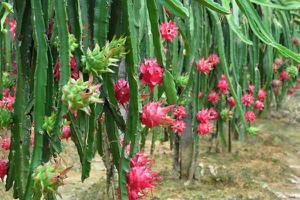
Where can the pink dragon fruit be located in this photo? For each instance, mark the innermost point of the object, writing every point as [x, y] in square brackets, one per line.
[261, 95]
[223, 85]
[203, 66]
[151, 73]
[168, 31]
[231, 101]
[250, 116]
[154, 115]
[178, 127]
[259, 105]
[213, 59]
[122, 91]
[141, 178]
[3, 168]
[213, 97]
[248, 99]
[213, 114]
[203, 116]
[5, 143]
[179, 112]
[204, 129]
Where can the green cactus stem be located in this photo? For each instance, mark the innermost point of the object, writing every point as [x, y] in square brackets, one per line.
[39, 89]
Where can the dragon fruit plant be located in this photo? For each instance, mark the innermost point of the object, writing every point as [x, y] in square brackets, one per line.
[181, 68]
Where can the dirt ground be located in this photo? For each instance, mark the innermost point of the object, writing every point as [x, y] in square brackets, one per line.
[265, 166]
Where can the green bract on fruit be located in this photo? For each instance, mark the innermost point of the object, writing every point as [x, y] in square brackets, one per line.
[49, 123]
[225, 114]
[292, 71]
[47, 178]
[99, 60]
[79, 94]
[252, 130]
[182, 81]
[72, 43]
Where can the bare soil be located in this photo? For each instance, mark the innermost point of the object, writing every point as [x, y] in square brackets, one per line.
[266, 166]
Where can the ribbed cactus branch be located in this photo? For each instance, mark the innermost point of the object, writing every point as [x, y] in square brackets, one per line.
[154, 21]
[64, 57]
[16, 157]
[39, 89]
[101, 21]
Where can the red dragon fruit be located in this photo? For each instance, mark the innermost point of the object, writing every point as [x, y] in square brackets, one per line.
[250, 116]
[261, 95]
[7, 101]
[122, 91]
[179, 112]
[13, 28]
[223, 85]
[295, 41]
[3, 168]
[231, 101]
[141, 179]
[178, 127]
[203, 66]
[154, 115]
[213, 59]
[259, 105]
[5, 143]
[284, 76]
[251, 89]
[74, 73]
[204, 129]
[248, 99]
[203, 116]
[200, 95]
[213, 114]
[213, 97]
[168, 31]
[66, 132]
[151, 73]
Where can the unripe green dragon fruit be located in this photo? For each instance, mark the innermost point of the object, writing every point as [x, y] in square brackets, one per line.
[292, 71]
[5, 118]
[99, 60]
[226, 114]
[72, 43]
[252, 130]
[7, 83]
[182, 81]
[78, 95]
[115, 48]
[49, 123]
[47, 178]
